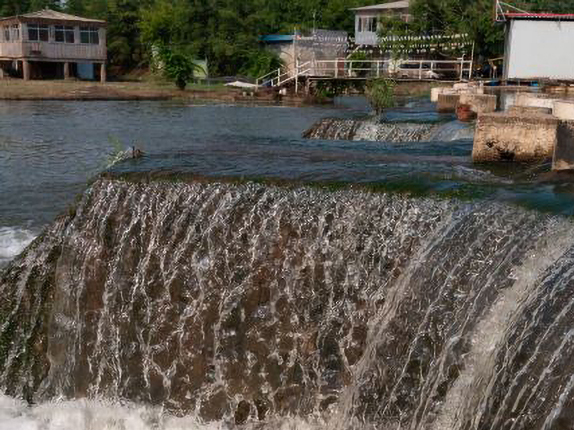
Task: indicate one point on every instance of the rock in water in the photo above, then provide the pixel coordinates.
(242, 302)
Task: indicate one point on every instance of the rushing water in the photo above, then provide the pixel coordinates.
(212, 303)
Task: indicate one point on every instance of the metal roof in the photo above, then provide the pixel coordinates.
(276, 38)
(402, 4)
(54, 15)
(541, 16)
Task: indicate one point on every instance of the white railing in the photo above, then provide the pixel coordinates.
(281, 76)
(365, 69)
(403, 69)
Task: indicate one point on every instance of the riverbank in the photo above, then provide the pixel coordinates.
(12, 89)
(145, 90)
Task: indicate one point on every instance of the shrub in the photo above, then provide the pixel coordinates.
(381, 94)
(178, 67)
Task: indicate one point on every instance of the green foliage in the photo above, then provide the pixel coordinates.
(360, 66)
(260, 62)
(226, 32)
(381, 94)
(178, 67)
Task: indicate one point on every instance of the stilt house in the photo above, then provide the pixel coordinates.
(52, 45)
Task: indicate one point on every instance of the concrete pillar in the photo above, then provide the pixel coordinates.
(1, 73)
(514, 137)
(66, 70)
(564, 151)
(26, 70)
(103, 73)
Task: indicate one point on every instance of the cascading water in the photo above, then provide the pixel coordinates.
(289, 307)
(371, 130)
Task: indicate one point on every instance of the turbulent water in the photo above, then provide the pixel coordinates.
(370, 130)
(12, 242)
(364, 130)
(171, 305)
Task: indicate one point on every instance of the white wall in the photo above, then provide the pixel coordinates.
(540, 49)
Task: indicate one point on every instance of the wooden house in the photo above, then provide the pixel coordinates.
(50, 44)
(367, 19)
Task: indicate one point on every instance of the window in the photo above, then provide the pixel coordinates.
(89, 35)
(64, 34)
(6, 34)
(368, 25)
(38, 33)
(16, 32)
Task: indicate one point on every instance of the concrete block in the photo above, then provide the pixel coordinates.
(447, 103)
(564, 110)
(525, 110)
(480, 103)
(564, 150)
(535, 100)
(437, 91)
(514, 137)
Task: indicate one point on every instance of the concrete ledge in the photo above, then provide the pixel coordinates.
(564, 151)
(479, 103)
(525, 110)
(535, 100)
(514, 137)
(447, 103)
(564, 110)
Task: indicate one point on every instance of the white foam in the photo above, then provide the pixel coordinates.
(12, 242)
(94, 415)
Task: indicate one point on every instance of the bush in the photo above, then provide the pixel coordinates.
(179, 67)
(381, 94)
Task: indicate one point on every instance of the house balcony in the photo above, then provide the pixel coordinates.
(52, 51)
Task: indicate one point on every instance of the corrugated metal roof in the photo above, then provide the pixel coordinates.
(402, 4)
(275, 38)
(541, 16)
(52, 14)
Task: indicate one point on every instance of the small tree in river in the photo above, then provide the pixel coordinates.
(381, 94)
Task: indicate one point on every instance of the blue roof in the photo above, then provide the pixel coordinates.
(275, 38)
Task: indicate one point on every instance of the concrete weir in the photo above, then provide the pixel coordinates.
(514, 137)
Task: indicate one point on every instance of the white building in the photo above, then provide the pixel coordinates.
(367, 19)
(539, 46)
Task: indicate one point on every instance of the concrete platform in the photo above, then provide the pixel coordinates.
(564, 110)
(525, 110)
(514, 137)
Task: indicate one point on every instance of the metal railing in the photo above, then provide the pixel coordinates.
(404, 69)
(365, 69)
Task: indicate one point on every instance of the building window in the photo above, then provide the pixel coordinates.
(38, 33)
(16, 32)
(90, 35)
(368, 25)
(64, 34)
(6, 34)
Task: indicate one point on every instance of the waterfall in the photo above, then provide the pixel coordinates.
(222, 303)
(371, 130)
(368, 130)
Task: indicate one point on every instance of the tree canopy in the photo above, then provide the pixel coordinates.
(226, 32)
